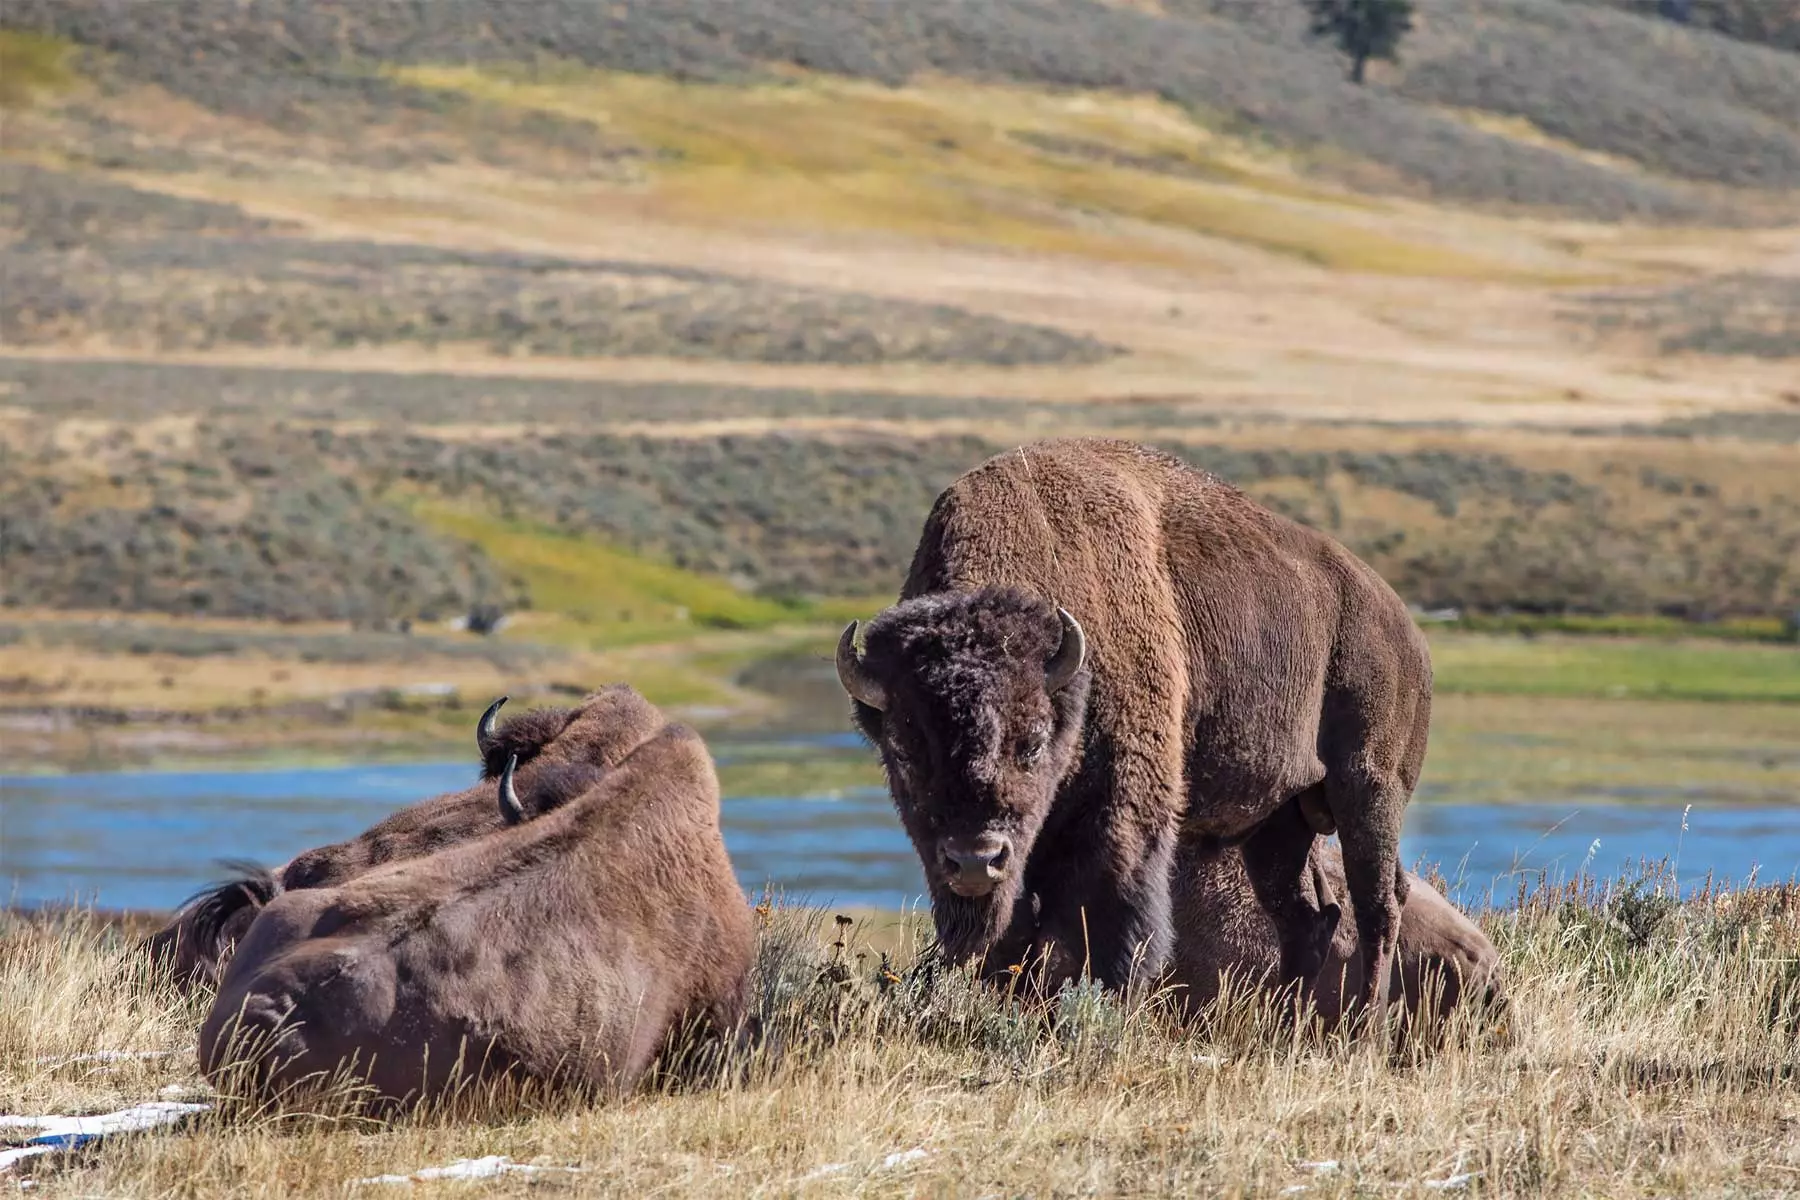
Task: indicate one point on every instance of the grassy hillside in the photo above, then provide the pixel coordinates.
(1768, 22)
(88, 261)
(594, 594)
(977, 163)
(312, 517)
(1712, 109)
(652, 323)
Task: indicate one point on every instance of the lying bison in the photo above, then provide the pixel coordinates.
(568, 948)
(558, 751)
(1228, 916)
(1099, 647)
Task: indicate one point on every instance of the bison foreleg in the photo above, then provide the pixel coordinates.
(1110, 913)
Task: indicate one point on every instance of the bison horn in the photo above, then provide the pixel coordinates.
(1069, 656)
(484, 728)
(854, 676)
(511, 811)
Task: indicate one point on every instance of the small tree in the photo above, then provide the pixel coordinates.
(1362, 29)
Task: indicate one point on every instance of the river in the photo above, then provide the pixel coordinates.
(147, 839)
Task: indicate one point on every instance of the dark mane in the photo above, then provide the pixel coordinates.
(963, 640)
(524, 735)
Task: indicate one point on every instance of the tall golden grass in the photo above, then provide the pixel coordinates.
(1653, 1050)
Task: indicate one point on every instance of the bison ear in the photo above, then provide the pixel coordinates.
(1070, 654)
(855, 677)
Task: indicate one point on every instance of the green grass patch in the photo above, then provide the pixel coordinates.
(816, 774)
(1504, 749)
(1736, 629)
(588, 593)
(1024, 168)
(1559, 665)
(613, 596)
(31, 64)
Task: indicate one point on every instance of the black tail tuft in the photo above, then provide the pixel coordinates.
(194, 942)
(253, 887)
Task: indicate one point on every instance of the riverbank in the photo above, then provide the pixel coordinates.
(1516, 716)
(94, 692)
(1513, 786)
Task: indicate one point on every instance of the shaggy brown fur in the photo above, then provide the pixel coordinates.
(566, 949)
(1227, 921)
(1234, 660)
(559, 751)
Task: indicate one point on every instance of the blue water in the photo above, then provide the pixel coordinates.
(147, 840)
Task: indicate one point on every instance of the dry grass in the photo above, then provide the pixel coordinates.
(95, 707)
(1023, 168)
(1653, 1052)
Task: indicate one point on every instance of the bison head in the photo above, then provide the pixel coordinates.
(975, 701)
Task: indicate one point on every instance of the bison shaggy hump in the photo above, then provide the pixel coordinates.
(1103, 660)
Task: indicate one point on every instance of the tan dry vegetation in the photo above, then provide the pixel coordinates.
(177, 683)
(1652, 1050)
(284, 700)
(1231, 279)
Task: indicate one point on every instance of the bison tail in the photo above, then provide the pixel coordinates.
(197, 938)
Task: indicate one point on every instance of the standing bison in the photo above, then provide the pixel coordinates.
(569, 947)
(557, 753)
(1101, 652)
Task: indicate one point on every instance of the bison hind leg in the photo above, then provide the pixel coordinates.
(1368, 814)
(1283, 870)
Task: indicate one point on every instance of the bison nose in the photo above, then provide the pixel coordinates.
(972, 866)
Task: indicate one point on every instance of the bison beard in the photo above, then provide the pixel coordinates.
(1236, 661)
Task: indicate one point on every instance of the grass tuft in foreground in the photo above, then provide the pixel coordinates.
(1654, 1048)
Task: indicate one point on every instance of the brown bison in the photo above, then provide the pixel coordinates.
(1228, 917)
(558, 752)
(568, 948)
(1099, 646)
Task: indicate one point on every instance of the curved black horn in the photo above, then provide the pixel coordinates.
(484, 728)
(511, 811)
(854, 676)
(1069, 656)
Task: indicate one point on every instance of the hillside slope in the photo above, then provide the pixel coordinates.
(305, 309)
(1767, 22)
(125, 486)
(1683, 103)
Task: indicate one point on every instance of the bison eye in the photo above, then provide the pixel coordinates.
(1032, 749)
